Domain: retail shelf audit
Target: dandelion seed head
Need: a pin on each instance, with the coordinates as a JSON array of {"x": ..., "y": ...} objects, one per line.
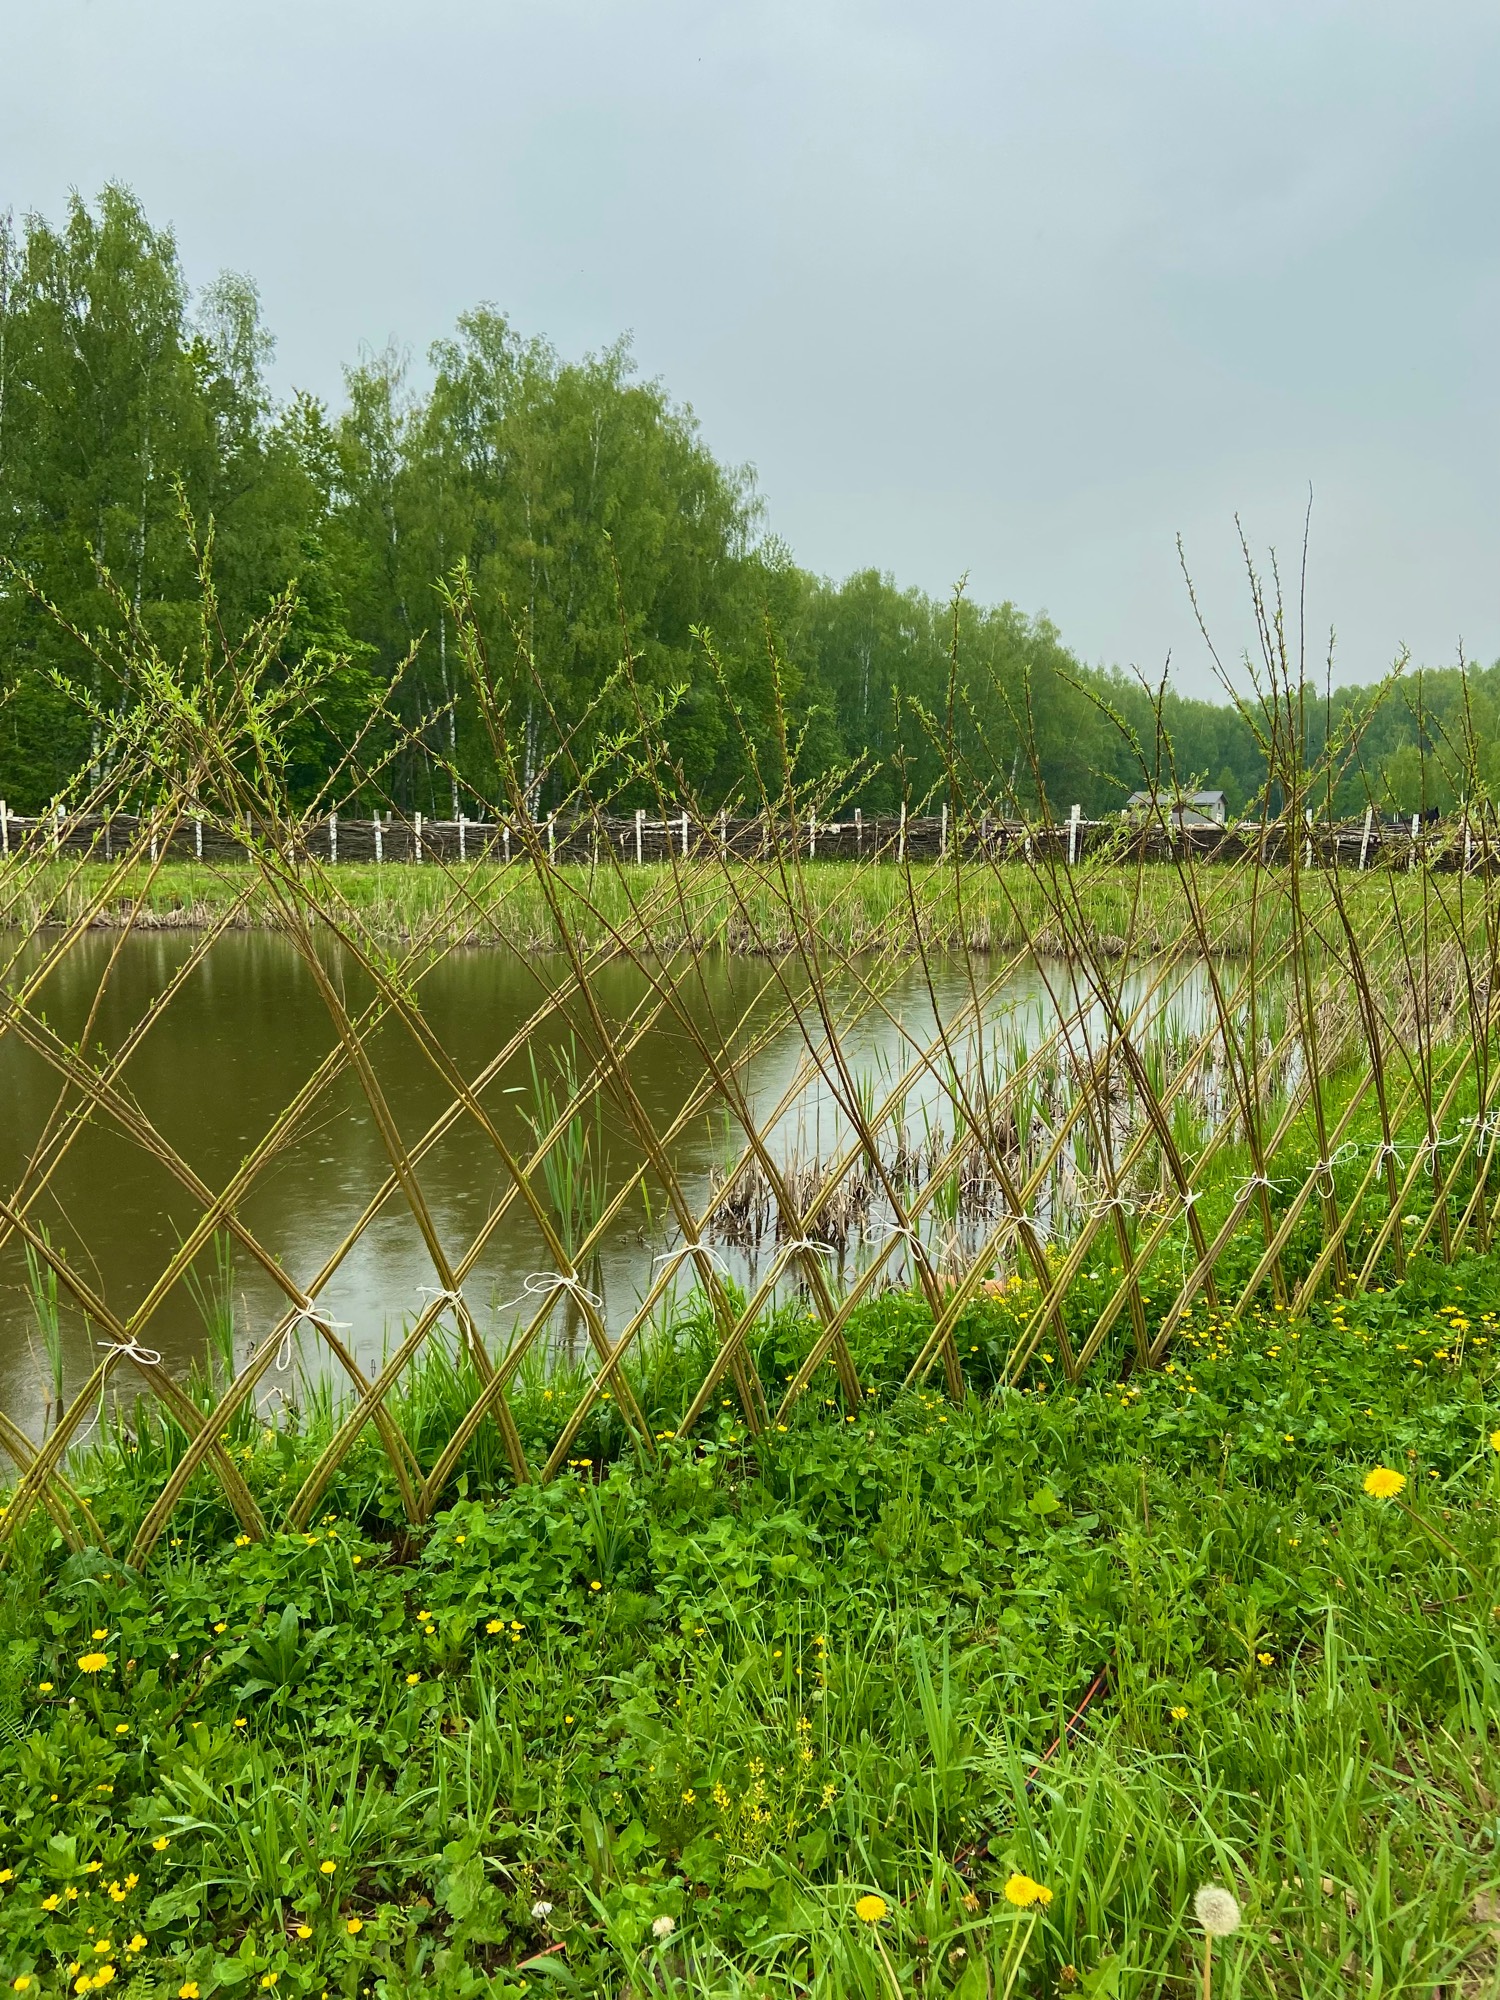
[{"x": 1216, "y": 1910}]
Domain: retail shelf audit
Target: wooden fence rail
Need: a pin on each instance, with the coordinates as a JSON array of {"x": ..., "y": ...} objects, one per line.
[{"x": 1449, "y": 845}]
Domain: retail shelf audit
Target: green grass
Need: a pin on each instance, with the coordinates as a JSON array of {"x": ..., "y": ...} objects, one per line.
[
  {"x": 745, "y": 1684},
  {"x": 851, "y": 905}
]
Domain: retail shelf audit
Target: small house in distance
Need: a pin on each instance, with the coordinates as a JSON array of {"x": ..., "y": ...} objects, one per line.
[{"x": 1186, "y": 809}]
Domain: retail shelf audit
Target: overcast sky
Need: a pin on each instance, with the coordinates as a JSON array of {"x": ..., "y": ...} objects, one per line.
[{"x": 1017, "y": 291}]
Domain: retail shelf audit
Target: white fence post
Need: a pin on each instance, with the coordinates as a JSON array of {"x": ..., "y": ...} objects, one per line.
[
  {"x": 57, "y": 817},
  {"x": 901, "y": 838},
  {"x": 198, "y": 837},
  {"x": 812, "y": 836},
  {"x": 1411, "y": 859},
  {"x": 419, "y": 836},
  {"x": 379, "y": 840},
  {"x": 723, "y": 830},
  {"x": 859, "y": 831},
  {"x": 943, "y": 832},
  {"x": 684, "y": 836},
  {"x": 640, "y": 833},
  {"x": 505, "y": 840},
  {"x": 1307, "y": 839},
  {"x": 552, "y": 836},
  {"x": 333, "y": 837},
  {"x": 1364, "y": 840},
  {"x": 1073, "y": 818},
  {"x": 4, "y": 828},
  {"x": 463, "y": 849}
]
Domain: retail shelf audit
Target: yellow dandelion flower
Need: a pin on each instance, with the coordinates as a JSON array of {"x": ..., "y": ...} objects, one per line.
[
  {"x": 1383, "y": 1483},
  {"x": 1023, "y": 1892},
  {"x": 1495, "y": 1440},
  {"x": 870, "y": 1909},
  {"x": 412, "y": 1679},
  {"x": 92, "y": 1663},
  {"x": 1179, "y": 1714}
]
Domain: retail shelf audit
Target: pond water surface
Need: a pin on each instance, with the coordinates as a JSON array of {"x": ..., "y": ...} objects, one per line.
[{"x": 248, "y": 1026}]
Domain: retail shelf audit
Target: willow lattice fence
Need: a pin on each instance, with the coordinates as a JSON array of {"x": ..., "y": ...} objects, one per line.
[{"x": 1183, "y": 1129}]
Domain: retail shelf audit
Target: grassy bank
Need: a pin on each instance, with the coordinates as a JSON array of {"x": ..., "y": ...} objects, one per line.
[
  {"x": 853, "y": 906},
  {"x": 657, "y": 1728}
]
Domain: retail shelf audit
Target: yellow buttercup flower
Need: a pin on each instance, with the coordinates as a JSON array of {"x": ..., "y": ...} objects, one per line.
[
  {"x": 1495, "y": 1440},
  {"x": 1384, "y": 1483},
  {"x": 327, "y": 1867},
  {"x": 1023, "y": 1892},
  {"x": 354, "y": 1926},
  {"x": 1179, "y": 1714},
  {"x": 870, "y": 1909},
  {"x": 188, "y": 1990}
]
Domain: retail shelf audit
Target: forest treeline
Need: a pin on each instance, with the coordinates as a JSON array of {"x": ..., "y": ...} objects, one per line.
[{"x": 594, "y": 523}]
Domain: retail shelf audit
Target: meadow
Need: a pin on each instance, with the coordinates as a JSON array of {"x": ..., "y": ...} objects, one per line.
[
  {"x": 853, "y": 907},
  {"x": 659, "y": 1727}
]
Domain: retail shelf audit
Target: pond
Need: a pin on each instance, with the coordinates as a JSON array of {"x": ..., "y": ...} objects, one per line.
[{"x": 248, "y": 1026}]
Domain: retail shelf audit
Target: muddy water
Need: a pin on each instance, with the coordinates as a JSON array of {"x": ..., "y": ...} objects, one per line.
[{"x": 248, "y": 1026}]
